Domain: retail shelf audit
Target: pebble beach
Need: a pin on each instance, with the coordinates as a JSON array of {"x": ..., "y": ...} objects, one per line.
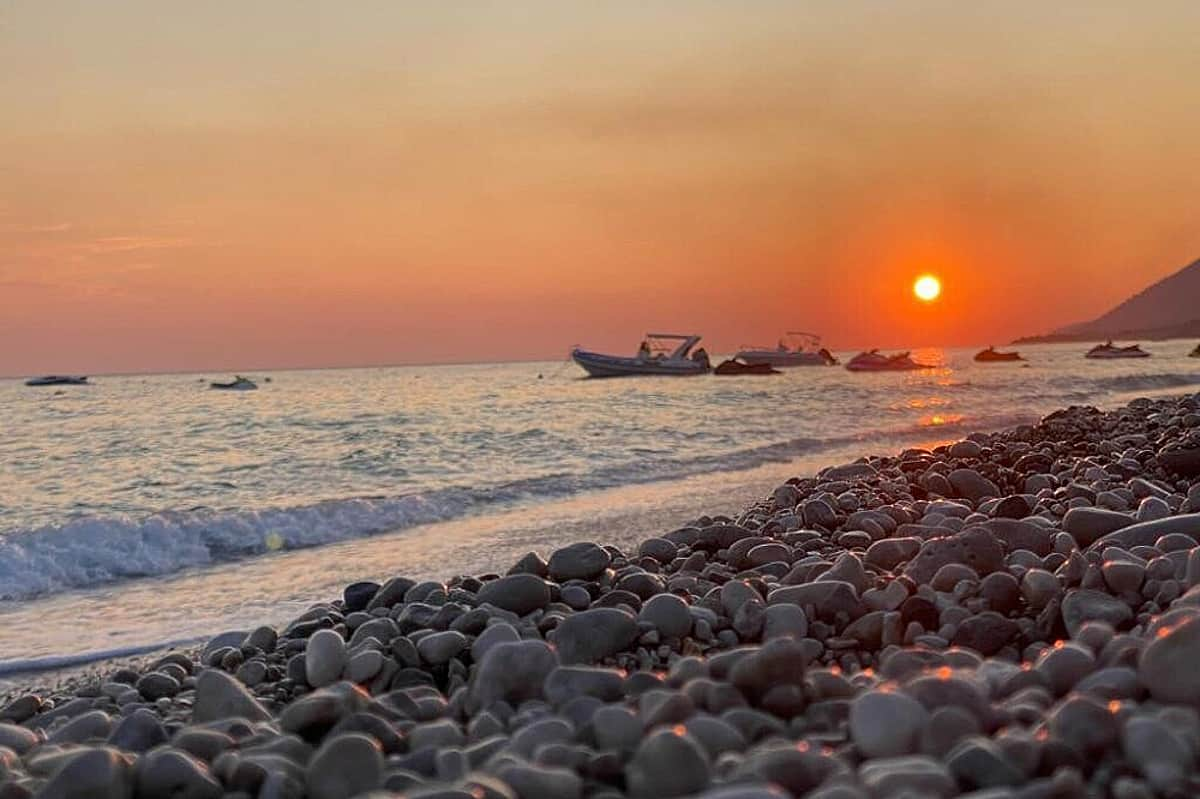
[{"x": 1016, "y": 614}]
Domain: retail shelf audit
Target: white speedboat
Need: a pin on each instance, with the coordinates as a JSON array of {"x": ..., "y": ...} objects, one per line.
[
  {"x": 239, "y": 383},
  {"x": 794, "y": 349},
  {"x": 667, "y": 354},
  {"x": 58, "y": 380},
  {"x": 1108, "y": 351},
  {"x": 876, "y": 361}
]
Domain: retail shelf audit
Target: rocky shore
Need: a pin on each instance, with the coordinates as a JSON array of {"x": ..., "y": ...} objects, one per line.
[{"x": 1014, "y": 615}]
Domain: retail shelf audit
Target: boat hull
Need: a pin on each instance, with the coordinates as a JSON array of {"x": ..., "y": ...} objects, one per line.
[
  {"x": 57, "y": 381},
  {"x": 1000, "y": 357},
  {"x": 600, "y": 365},
  {"x": 1113, "y": 356}
]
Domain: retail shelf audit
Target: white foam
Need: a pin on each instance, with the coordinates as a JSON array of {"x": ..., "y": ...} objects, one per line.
[{"x": 95, "y": 550}]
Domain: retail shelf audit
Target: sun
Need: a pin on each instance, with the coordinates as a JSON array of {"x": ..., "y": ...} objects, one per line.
[{"x": 927, "y": 288}]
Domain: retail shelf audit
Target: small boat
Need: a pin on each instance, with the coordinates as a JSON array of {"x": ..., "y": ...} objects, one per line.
[
  {"x": 876, "y": 361},
  {"x": 734, "y": 367},
  {"x": 238, "y": 383},
  {"x": 1109, "y": 351},
  {"x": 992, "y": 355},
  {"x": 58, "y": 380},
  {"x": 664, "y": 354},
  {"x": 794, "y": 349},
  {"x": 1195, "y": 353}
]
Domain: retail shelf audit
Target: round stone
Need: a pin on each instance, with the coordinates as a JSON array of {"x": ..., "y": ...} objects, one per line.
[
  {"x": 669, "y": 614},
  {"x": 324, "y": 658},
  {"x": 346, "y": 765},
  {"x": 667, "y": 763},
  {"x": 519, "y": 593},
  {"x": 886, "y": 723},
  {"x": 1167, "y": 667},
  {"x": 582, "y": 561},
  {"x": 438, "y": 648}
]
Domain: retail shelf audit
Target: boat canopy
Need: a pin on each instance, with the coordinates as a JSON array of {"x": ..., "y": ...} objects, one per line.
[
  {"x": 791, "y": 341},
  {"x": 661, "y": 343}
]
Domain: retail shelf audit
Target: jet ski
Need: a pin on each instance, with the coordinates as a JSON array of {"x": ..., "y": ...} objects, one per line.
[
  {"x": 876, "y": 361},
  {"x": 992, "y": 355},
  {"x": 733, "y": 367},
  {"x": 58, "y": 380},
  {"x": 1108, "y": 351},
  {"x": 239, "y": 383}
]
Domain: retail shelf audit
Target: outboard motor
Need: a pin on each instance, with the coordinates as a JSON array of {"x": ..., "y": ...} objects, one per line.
[{"x": 700, "y": 356}]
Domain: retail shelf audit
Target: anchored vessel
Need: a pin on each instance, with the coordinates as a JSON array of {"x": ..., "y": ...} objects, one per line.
[
  {"x": 992, "y": 355},
  {"x": 238, "y": 383},
  {"x": 734, "y": 367},
  {"x": 669, "y": 354},
  {"x": 876, "y": 361},
  {"x": 1108, "y": 350},
  {"x": 57, "y": 380},
  {"x": 794, "y": 349}
]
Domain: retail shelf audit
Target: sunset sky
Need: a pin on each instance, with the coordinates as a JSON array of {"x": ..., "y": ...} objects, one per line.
[{"x": 289, "y": 183}]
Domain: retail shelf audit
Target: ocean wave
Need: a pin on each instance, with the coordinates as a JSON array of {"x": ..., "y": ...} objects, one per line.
[
  {"x": 1149, "y": 382},
  {"x": 1123, "y": 384},
  {"x": 54, "y": 662},
  {"x": 95, "y": 550}
]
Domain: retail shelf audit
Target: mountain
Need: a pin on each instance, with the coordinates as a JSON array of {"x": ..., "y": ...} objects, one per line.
[{"x": 1168, "y": 309}]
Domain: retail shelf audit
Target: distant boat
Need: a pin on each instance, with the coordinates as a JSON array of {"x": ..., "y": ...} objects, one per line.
[
  {"x": 732, "y": 367},
  {"x": 794, "y": 349},
  {"x": 875, "y": 361},
  {"x": 58, "y": 380},
  {"x": 239, "y": 383},
  {"x": 1109, "y": 351},
  {"x": 1195, "y": 353},
  {"x": 663, "y": 354},
  {"x": 992, "y": 355}
]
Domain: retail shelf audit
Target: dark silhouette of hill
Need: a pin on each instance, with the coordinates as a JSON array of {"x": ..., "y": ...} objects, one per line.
[{"x": 1168, "y": 309}]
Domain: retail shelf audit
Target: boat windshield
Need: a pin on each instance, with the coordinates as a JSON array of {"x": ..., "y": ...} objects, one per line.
[{"x": 666, "y": 345}]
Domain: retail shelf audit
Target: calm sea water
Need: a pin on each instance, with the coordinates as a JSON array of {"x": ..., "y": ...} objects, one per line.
[{"x": 148, "y": 509}]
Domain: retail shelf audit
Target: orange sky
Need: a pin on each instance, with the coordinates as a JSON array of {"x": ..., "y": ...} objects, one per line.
[{"x": 281, "y": 183}]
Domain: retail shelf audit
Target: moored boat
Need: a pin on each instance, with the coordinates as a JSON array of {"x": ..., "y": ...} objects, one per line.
[
  {"x": 992, "y": 355},
  {"x": 238, "y": 383},
  {"x": 58, "y": 380},
  {"x": 660, "y": 354},
  {"x": 734, "y": 367},
  {"x": 876, "y": 361},
  {"x": 1108, "y": 350},
  {"x": 794, "y": 349}
]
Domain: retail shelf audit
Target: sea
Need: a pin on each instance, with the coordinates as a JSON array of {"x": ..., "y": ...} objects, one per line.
[{"x": 149, "y": 511}]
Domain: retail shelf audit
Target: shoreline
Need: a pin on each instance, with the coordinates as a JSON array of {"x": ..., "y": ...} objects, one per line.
[{"x": 937, "y": 622}]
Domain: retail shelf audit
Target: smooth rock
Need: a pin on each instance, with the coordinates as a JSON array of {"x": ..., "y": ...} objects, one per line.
[
  {"x": 886, "y": 723},
  {"x": 513, "y": 672},
  {"x": 592, "y": 635},
  {"x": 346, "y": 765},
  {"x": 220, "y": 696},
  {"x": 519, "y": 593},
  {"x": 1084, "y": 605},
  {"x": 582, "y": 561},
  {"x": 1168, "y": 666},
  {"x": 669, "y": 614},
  {"x": 666, "y": 764},
  {"x": 325, "y": 658}
]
